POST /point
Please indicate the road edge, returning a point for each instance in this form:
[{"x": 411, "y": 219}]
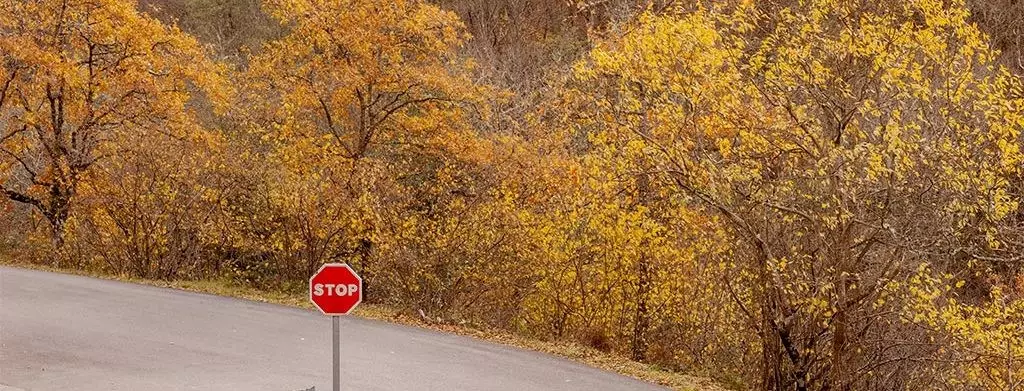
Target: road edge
[{"x": 571, "y": 351}]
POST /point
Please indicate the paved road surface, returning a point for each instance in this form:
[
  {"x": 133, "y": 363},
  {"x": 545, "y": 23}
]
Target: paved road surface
[{"x": 62, "y": 332}]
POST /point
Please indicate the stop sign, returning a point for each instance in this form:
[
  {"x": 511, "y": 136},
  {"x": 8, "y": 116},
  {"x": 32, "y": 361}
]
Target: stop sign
[{"x": 335, "y": 289}]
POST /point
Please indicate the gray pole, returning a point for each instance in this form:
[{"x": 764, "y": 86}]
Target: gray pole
[{"x": 337, "y": 353}]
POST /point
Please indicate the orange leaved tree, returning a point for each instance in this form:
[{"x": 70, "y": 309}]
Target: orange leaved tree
[{"x": 77, "y": 76}]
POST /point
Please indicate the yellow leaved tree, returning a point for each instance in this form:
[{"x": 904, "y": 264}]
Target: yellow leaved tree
[
  {"x": 623, "y": 261},
  {"x": 365, "y": 109},
  {"x": 842, "y": 145}
]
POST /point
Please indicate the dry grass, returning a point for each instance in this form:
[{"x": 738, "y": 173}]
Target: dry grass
[{"x": 572, "y": 351}]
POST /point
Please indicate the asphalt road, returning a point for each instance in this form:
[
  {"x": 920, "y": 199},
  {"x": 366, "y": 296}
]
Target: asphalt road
[{"x": 62, "y": 332}]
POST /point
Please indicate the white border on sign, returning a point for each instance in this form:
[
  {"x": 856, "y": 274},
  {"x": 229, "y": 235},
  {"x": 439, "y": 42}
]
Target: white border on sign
[{"x": 344, "y": 265}]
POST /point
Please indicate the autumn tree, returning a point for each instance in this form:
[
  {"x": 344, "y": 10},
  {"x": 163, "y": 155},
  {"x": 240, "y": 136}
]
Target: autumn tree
[
  {"x": 844, "y": 147},
  {"x": 366, "y": 106},
  {"x": 77, "y": 77}
]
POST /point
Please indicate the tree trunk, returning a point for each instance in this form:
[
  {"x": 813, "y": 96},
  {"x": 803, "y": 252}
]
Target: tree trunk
[
  {"x": 57, "y": 215},
  {"x": 364, "y": 251},
  {"x": 642, "y": 319}
]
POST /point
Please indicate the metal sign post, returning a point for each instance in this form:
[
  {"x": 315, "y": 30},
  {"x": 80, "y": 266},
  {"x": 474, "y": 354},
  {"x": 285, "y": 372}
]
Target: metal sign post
[{"x": 337, "y": 353}]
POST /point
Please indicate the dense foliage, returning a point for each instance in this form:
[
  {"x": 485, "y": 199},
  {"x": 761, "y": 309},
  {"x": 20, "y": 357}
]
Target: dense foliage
[{"x": 807, "y": 195}]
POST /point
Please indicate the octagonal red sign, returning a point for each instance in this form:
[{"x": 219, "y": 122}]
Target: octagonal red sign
[{"x": 335, "y": 289}]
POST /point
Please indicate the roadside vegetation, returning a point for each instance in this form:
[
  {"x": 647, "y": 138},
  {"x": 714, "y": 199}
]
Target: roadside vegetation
[{"x": 784, "y": 194}]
